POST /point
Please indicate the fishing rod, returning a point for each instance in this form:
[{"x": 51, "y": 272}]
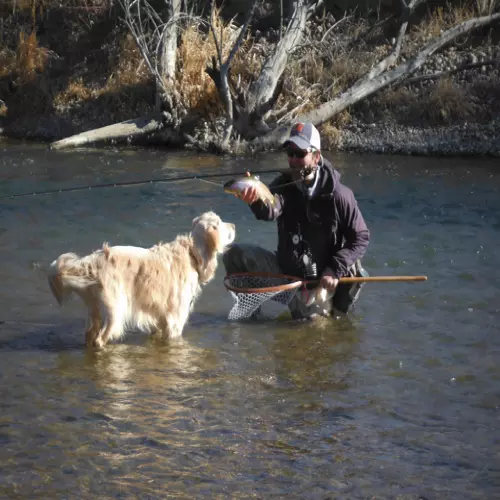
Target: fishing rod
[{"x": 133, "y": 183}]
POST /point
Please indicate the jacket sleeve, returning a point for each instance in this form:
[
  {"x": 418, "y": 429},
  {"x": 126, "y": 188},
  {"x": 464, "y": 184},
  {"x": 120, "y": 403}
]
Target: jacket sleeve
[
  {"x": 354, "y": 230},
  {"x": 268, "y": 211}
]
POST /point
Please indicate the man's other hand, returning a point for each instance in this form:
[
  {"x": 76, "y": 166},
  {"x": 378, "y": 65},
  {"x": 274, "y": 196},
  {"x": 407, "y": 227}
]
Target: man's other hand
[{"x": 328, "y": 280}]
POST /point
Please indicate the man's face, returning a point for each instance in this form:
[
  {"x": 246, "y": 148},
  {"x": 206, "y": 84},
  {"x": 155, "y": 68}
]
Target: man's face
[{"x": 300, "y": 159}]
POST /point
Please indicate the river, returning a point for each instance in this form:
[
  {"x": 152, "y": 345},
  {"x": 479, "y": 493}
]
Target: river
[{"x": 399, "y": 400}]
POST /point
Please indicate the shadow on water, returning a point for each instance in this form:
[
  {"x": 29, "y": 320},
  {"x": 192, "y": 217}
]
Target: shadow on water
[{"x": 18, "y": 336}]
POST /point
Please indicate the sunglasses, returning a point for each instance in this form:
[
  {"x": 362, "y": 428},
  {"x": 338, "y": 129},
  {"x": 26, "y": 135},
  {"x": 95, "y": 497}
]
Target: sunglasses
[{"x": 297, "y": 153}]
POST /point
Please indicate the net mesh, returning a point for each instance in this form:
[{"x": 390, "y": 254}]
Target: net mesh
[{"x": 261, "y": 304}]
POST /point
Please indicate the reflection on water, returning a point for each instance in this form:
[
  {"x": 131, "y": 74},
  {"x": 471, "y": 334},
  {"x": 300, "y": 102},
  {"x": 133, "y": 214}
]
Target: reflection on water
[{"x": 400, "y": 400}]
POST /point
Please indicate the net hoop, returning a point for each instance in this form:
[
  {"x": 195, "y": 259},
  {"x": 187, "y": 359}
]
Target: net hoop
[
  {"x": 294, "y": 282},
  {"x": 261, "y": 295}
]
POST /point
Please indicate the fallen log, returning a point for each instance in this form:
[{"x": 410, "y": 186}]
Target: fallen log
[{"x": 129, "y": 128}]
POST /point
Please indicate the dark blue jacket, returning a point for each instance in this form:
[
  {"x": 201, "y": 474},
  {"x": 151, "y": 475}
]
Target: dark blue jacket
[{"x": 328, "y": 227}]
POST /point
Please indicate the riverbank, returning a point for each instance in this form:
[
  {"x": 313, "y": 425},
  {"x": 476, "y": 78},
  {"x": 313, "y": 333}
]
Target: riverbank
[
  {"x": 448, "y": 107},
  {"x": 457, "y": 140},
  {"x": 467, "y": 139}
]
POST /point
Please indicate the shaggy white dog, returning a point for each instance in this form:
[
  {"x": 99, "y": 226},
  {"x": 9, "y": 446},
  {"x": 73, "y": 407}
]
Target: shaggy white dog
[{"x": 150, "y": 289}]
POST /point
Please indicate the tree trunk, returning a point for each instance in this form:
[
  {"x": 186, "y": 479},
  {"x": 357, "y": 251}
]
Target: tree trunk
[
  {"x": 246, "y": 111},
  {"x": 124, "y": 130},
  {"x": 262, "y": 90},
  {"x": 168, "y": 55}
]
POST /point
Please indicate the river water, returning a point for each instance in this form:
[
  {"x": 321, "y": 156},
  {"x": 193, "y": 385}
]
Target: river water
[{"x": 400, "y": 400}]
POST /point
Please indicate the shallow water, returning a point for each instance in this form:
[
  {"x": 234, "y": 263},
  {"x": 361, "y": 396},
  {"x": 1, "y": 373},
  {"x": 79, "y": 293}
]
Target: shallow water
[{"x": 401, "y": 400}]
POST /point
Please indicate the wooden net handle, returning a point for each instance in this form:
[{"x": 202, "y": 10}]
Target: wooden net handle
[
  {"x": 380, "y": 279},
  {"x": 298, "y": 281}
]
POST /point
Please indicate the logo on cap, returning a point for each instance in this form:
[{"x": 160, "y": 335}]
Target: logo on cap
[{"x": 297, "y": 129}]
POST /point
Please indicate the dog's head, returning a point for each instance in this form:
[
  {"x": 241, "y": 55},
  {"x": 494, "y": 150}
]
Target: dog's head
[{"x": 210, "y": 237}]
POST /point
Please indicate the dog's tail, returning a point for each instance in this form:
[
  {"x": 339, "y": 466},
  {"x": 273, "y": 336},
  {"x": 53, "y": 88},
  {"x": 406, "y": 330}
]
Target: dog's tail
[{"x": 70, "y": 273}]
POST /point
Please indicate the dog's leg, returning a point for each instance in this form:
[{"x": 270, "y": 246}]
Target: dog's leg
[
  {"x": 95, "y": 320},
  {"x": 175, "y": 325},
  {"x": 115, "y": 307},
  {"x": 112, "y": 329}
]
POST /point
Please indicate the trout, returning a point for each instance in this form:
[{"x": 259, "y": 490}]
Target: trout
[{"x": 236, "y": 186}]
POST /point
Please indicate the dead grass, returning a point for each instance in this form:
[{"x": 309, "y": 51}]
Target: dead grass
[
  {"x": 196, "y": 88},
  {"x": 129, "y": 72},
  {"x": 443, "y": 103},
  {"x": 7, "y": 62},
  {"x": 130, "y": 69},
  {"x": 394, "y": 98},
  {"x": 25, "y": 69},
  {"x": 31, "y": 58},
  {"x": 446, "y": 103},
  {"x": 441, "y": 19},
  {"x": 330, "y": 136},
  {"x": 195, "y": 53}
]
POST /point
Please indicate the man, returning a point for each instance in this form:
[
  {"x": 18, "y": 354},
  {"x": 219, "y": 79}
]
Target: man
[{"x": 321, "y": 232}]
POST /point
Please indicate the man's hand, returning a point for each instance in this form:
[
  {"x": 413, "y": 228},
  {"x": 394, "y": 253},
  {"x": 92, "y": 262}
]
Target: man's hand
[
  {"x": 328, "y": 280},
  {"x": 249, "y": 195}
]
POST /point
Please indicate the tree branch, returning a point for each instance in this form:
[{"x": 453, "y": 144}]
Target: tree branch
[
  {"x": 441, "y": 74},
  {"x": 367, "y": 86},
  {"x": 391, "y": 59}
]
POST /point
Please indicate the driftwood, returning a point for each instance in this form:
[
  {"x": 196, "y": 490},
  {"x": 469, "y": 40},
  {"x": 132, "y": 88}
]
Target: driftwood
[{"x": 124, "y": 130}]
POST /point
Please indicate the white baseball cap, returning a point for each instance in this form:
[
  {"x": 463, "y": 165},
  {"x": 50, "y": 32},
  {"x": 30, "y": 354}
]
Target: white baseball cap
[{"x": 304, "y": 136}]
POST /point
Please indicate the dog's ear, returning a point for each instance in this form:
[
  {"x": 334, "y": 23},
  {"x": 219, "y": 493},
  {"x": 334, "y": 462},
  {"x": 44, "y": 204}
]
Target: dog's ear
[
  {"x": 212, "y": 239},
  {"x": 206, "y": 244},
  {"x": 206, "y": 240}
]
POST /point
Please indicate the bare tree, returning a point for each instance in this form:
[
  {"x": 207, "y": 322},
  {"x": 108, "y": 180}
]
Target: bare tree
[
  {"x": 246, "y": 108},
  {"x": 156, "y": 39}
]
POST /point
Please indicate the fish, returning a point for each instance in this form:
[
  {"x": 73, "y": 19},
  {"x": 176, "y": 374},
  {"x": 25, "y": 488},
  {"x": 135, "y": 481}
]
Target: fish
[
  {"x": 318, "y": 294},
  {"x": 237, "y": 185}
]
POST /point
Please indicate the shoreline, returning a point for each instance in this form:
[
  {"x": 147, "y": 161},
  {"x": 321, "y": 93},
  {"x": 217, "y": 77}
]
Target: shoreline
[{"x": 469, "y": 139}]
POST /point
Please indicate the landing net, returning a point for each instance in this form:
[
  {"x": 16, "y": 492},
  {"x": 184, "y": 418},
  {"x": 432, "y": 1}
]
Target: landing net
[{"x": 260, "y": 295}]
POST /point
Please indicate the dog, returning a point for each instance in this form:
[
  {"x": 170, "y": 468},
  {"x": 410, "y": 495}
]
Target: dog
[{"x": 149, "y": 289}]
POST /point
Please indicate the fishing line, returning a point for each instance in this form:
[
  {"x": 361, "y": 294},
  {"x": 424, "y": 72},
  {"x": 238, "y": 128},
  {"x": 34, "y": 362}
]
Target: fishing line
[
  {"x": 210, "y": 182},
  {"x": 28, "y": 323},
  {"x": 274, "y": 187},
  {"x": 132, "y": 183}
]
